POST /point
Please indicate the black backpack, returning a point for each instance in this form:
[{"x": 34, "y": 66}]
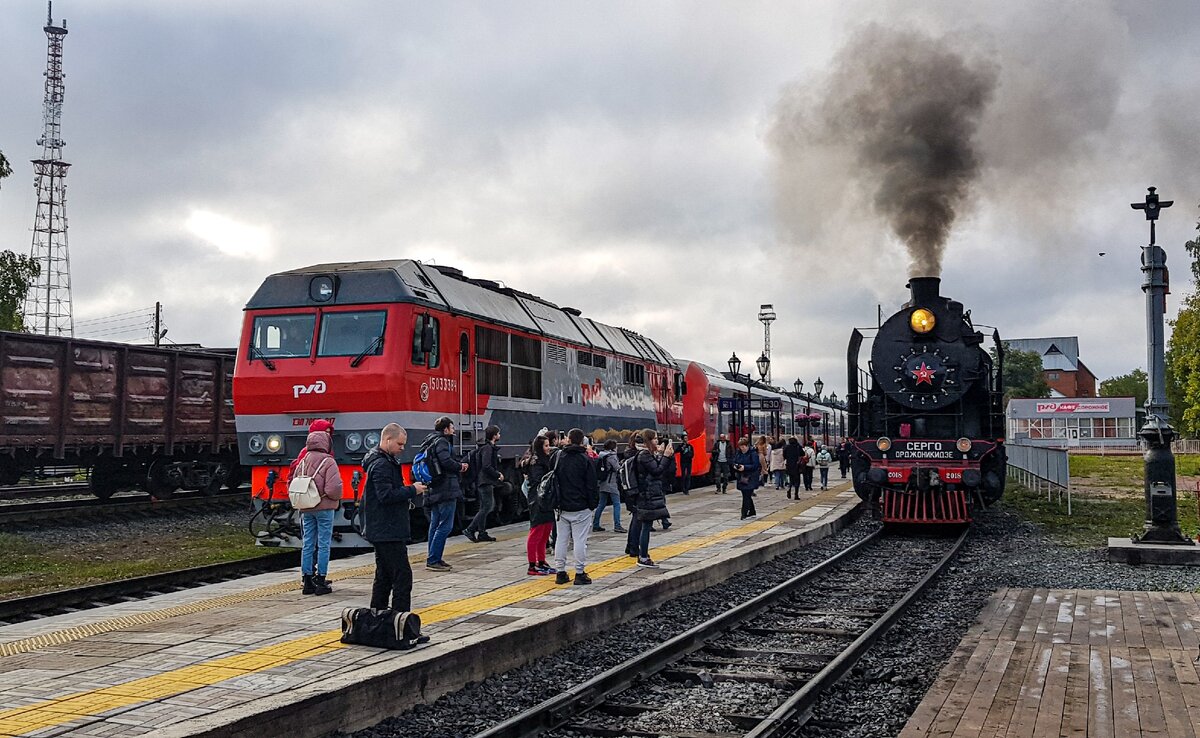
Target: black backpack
[{"x": 606, "y": 469}]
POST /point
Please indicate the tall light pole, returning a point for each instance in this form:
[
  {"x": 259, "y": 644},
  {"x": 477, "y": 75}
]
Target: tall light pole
[
  {"x": 735, "y": 365},
  {"x": 1162, "y": 520},
  {"x": 764, "y": 371},
  {"x": 766, "y": 315}
]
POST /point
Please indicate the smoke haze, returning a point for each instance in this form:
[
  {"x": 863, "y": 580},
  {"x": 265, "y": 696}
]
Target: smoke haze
[{"x": 901, "y": 109}]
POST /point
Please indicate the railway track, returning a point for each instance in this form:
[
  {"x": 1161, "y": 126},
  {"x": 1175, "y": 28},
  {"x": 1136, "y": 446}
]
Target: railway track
[
  {"x": 34, "y": 491},
  {"x": 757, "y": 669},
  {"x": 57, "y": 511},
  {"x": 97, "y": 595}
]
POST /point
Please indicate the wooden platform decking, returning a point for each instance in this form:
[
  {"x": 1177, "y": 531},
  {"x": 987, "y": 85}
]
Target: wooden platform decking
[{"x": 1043, "y": 663}]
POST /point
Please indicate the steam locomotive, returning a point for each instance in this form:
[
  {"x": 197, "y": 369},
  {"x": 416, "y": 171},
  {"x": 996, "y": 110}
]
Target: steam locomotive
[{"x": 927, "y": 413}]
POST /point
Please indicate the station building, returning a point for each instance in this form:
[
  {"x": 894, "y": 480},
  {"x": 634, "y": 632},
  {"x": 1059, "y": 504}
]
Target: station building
[
  {"x": 1079, "y": 422},
  {"x": 1062, "y": 369}
]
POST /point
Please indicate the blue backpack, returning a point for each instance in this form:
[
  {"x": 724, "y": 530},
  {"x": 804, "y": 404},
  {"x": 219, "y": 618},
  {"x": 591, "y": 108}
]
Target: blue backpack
[{"x": 425, "y": 467}]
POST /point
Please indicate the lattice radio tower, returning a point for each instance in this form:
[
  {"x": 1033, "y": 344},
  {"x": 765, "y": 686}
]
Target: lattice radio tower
[{"x": 48, "y": 305}]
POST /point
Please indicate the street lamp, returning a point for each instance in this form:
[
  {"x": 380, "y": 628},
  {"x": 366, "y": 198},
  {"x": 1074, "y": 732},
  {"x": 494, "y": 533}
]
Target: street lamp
[
  {"x": 735, "y": 366},
  {"x": 1162, "y": 519},
  {"x": 818, "y": 386},
  {"x": 799, "y": 387},
  {"x": 764, "y": 370}
]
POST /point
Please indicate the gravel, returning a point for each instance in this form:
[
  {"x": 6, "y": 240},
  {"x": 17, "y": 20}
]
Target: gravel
[{"x": 883, "y": 690}]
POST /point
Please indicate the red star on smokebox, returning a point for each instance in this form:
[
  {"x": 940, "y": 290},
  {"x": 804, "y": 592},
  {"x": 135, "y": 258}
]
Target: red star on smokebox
[{"x": 923, "y": 374}]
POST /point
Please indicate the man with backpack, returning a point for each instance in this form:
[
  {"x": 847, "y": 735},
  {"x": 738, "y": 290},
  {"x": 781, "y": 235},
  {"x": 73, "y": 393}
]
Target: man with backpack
[
  {"x": 578, "y": 494},
  {"x": 609, "y": 468},
  {"x": 485, "y": 466},
  {"x": 444, "y": 491}
]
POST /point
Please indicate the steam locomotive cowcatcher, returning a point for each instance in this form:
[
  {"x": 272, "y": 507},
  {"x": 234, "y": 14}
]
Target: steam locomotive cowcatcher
[{"x": 927, "y": 417}]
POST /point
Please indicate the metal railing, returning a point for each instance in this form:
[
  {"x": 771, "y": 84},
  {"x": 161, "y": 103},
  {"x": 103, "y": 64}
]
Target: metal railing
[{"x": 1041, "y": 469}]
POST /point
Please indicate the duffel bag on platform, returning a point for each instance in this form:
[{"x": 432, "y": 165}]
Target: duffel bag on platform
[{"x": 381, "y": 628}]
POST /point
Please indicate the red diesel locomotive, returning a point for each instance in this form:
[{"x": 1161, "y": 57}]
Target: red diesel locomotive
[{"x": 367, "y": 343}]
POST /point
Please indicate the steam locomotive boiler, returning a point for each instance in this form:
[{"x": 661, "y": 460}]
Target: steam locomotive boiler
[{"x": 927, "y": 414}]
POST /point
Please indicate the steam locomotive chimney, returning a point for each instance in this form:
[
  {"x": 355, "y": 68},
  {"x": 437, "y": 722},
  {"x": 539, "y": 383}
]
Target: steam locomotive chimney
[{"x": 924, "y": 290}]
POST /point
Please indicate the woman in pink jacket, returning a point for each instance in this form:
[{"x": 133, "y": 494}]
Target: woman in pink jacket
[{"x": 317, "y": 523}]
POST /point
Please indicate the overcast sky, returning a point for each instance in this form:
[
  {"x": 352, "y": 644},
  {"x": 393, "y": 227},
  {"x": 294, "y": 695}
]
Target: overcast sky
[{"x": 621, "y": 158}]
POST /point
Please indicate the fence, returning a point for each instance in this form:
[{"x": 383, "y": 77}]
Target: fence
[{"x": 1041, "y": 469}]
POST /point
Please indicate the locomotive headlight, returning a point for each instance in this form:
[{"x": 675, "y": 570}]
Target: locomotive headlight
[
  {"x": 372, "y": 439},
  {"x": 353, "y": 441},
  {"x": 274, "y": 443},
  {"x": 883, "y": 444},
  {"x": 255, "y": 444},
  {"x": 963, "y": 445},
  {"x": 922, "y": 321}
]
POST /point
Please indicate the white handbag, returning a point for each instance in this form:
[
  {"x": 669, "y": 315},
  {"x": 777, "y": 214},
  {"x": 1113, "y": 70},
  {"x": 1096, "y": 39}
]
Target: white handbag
[{"x": 302, "y": 489}]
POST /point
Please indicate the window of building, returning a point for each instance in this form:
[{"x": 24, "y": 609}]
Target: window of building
[
  {"x": 635, "y": 374},
  {"x": 1053, "y": 376},
  {"x": 508, "y": 365},
  {"x": 426, "y": 322},
  {"x": 351, "y": 334},
  {"x": 283, "y": 336}
]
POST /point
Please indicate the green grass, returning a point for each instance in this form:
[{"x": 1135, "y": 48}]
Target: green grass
[
  {"x": 1112, "y": 503},
  {"x": 27, "y": 567}
]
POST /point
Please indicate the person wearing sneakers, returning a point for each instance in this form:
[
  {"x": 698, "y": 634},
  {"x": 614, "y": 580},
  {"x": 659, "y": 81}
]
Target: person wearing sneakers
[
  {"x": 824, "y": 459},
  {"x": 651, "y": 504},
  {"x": 578, "y": 496},
  {"x": 444, "y": 492},
  {"x": 385, "y": 523},
  {"x": 534, "y": 464},
  {"x": 489, "y": 480},
  {"x": 608, "y": 469}
]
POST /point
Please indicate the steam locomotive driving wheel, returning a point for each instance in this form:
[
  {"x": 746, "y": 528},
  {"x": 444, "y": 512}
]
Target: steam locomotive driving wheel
[{"x": 926, "y": 378}]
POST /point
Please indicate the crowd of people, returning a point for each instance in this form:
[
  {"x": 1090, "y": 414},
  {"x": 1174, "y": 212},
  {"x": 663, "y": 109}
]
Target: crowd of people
[{"x": 567, "y": 481}]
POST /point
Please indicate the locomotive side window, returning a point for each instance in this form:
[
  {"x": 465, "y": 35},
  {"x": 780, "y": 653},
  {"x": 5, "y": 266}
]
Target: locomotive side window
[
  {"x": 507, "y": 365},
  {"x": 350, "y": 334},
  {"x": 284, "y": 336},
  {"x": 635, "y": 374},
  {"x": 526, "y": 367},
  {"x": 426, "y": 324}
]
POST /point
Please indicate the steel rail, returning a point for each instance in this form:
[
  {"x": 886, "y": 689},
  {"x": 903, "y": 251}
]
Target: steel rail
[
  {"x": 54, "y": 510},
  {"x": 796, "y": 709},
  {"x": 31, "y": 491},
  {"x": 95, "y": 595},
  {"x": 559, "y": 710}
]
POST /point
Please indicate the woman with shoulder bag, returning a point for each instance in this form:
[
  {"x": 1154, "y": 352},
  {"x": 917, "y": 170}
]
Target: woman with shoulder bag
[
  {"x": 316, "y": 522},
  {"x": 536, "y": 464},
  {"x": 746, "y": 466},
  {"x": 651, "y": 502}
]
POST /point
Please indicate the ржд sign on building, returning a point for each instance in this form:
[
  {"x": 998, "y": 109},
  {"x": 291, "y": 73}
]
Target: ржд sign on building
[{"x": 1073, "y": 422}]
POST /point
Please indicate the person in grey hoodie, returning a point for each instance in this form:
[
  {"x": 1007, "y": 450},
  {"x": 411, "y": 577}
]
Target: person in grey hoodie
[
  {"x": 317, "y": 522},
  {"x": 609, "y": 467}
]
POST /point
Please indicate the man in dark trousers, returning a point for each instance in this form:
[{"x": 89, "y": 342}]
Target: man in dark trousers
[
  {"x": 684, "y": 456},
  {"x": 843, "y": 455},
  {"x": 721, "y": 457},
  {"x": 385, "y": 503},
  {"x": 488, "y": 479}
]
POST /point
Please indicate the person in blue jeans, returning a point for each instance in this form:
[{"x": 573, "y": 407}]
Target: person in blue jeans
[
  {"x": 444, "y": 492},
  {"x": 610, "y": 467},
  {"x": 316, "y": 523}
]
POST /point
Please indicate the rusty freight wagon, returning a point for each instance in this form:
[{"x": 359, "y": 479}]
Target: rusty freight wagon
[{"x": 135, "y": 416}]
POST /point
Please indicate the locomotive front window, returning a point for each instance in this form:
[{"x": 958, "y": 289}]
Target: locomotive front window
[
  {"x": 284, "y": 336},
  {"x": 350, "y": 334}
]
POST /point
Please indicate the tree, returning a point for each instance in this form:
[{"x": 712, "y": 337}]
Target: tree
[
  {"x": 1023, "y": 375},
  {"x": 1183, "y": 355},
  {"x": 16, "y": 276},
  {"x": 5, "y": 169},
  {"x": 1135, "y": 384}
]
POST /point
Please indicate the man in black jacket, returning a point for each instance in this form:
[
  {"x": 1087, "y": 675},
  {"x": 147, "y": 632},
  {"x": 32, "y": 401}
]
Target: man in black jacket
[
  {"x": 385, "y": 504},
  {"x": 488, "y": 478},
  {"x": 444, "y": 492},
  {"x": 578, "y": 496},
  {"x": 684, "y": 454}
]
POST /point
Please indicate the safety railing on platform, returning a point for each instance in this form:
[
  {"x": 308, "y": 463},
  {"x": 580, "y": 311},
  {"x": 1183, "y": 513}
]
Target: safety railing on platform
[{"x": 1042, "y": 470}]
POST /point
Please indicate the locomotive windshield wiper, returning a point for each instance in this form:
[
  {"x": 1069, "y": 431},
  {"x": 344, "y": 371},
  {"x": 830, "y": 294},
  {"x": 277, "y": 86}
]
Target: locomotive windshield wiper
[
  {"x": 256, "y": 353},
  {"x": 371, "y": 347}
]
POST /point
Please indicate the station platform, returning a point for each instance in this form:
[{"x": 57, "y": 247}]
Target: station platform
[
  {"x": 231, "y": 658},
  {"x": 1071, "y": 663}
]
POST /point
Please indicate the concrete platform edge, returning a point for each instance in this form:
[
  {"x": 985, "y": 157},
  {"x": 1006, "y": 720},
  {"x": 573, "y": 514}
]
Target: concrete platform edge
[
  {"x": 352, "y": 703},
  {"x": 1125, "y": 551}
]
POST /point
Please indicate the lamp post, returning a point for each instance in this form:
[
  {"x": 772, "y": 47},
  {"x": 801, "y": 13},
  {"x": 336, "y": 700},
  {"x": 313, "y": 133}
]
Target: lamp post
[
  {"x": 764, "y": 371},
  {"x": 833, "y": 403},
  {"x": 735, "y": 365},
  {"x": 799, "y": 387},
  {"x": 1162, "y": 521}
]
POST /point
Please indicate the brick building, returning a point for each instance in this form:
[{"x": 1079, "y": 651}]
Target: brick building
[{"x": 1061, "y": 366}]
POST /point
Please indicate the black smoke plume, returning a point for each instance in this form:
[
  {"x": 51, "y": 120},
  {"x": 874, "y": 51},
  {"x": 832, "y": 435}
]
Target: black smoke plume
[{"x": 907, "y": 107}]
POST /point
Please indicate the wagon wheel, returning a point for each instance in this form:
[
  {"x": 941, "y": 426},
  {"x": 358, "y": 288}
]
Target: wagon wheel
[
  {"x": 508, "y": 507},
  {"x": 159, "y": 482},
  {"x": 102, "y": 483}
]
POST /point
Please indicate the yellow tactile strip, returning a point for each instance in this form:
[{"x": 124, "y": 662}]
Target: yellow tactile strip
[{"x": 49, "y": 713}]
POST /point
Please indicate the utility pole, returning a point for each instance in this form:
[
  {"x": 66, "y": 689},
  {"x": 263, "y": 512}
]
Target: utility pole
[
  {"x": 1162, "y": 521},
  {"x": 158, "y": 331},
  {"x": 48, "y": 306}
]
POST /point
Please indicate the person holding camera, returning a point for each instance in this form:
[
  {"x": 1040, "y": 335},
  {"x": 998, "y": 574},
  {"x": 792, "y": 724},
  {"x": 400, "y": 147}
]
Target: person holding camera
[
  {"x": 651, "y": 501},
  {"x": 385, "y": 504},
  {"x": 748, "y": 468}
]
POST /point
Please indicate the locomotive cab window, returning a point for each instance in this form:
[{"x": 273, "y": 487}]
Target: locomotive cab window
[
  {"x": 283, "y": 336},
  {"x": 351, "y": 334},
  {"x": 426, "y": 343}
]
